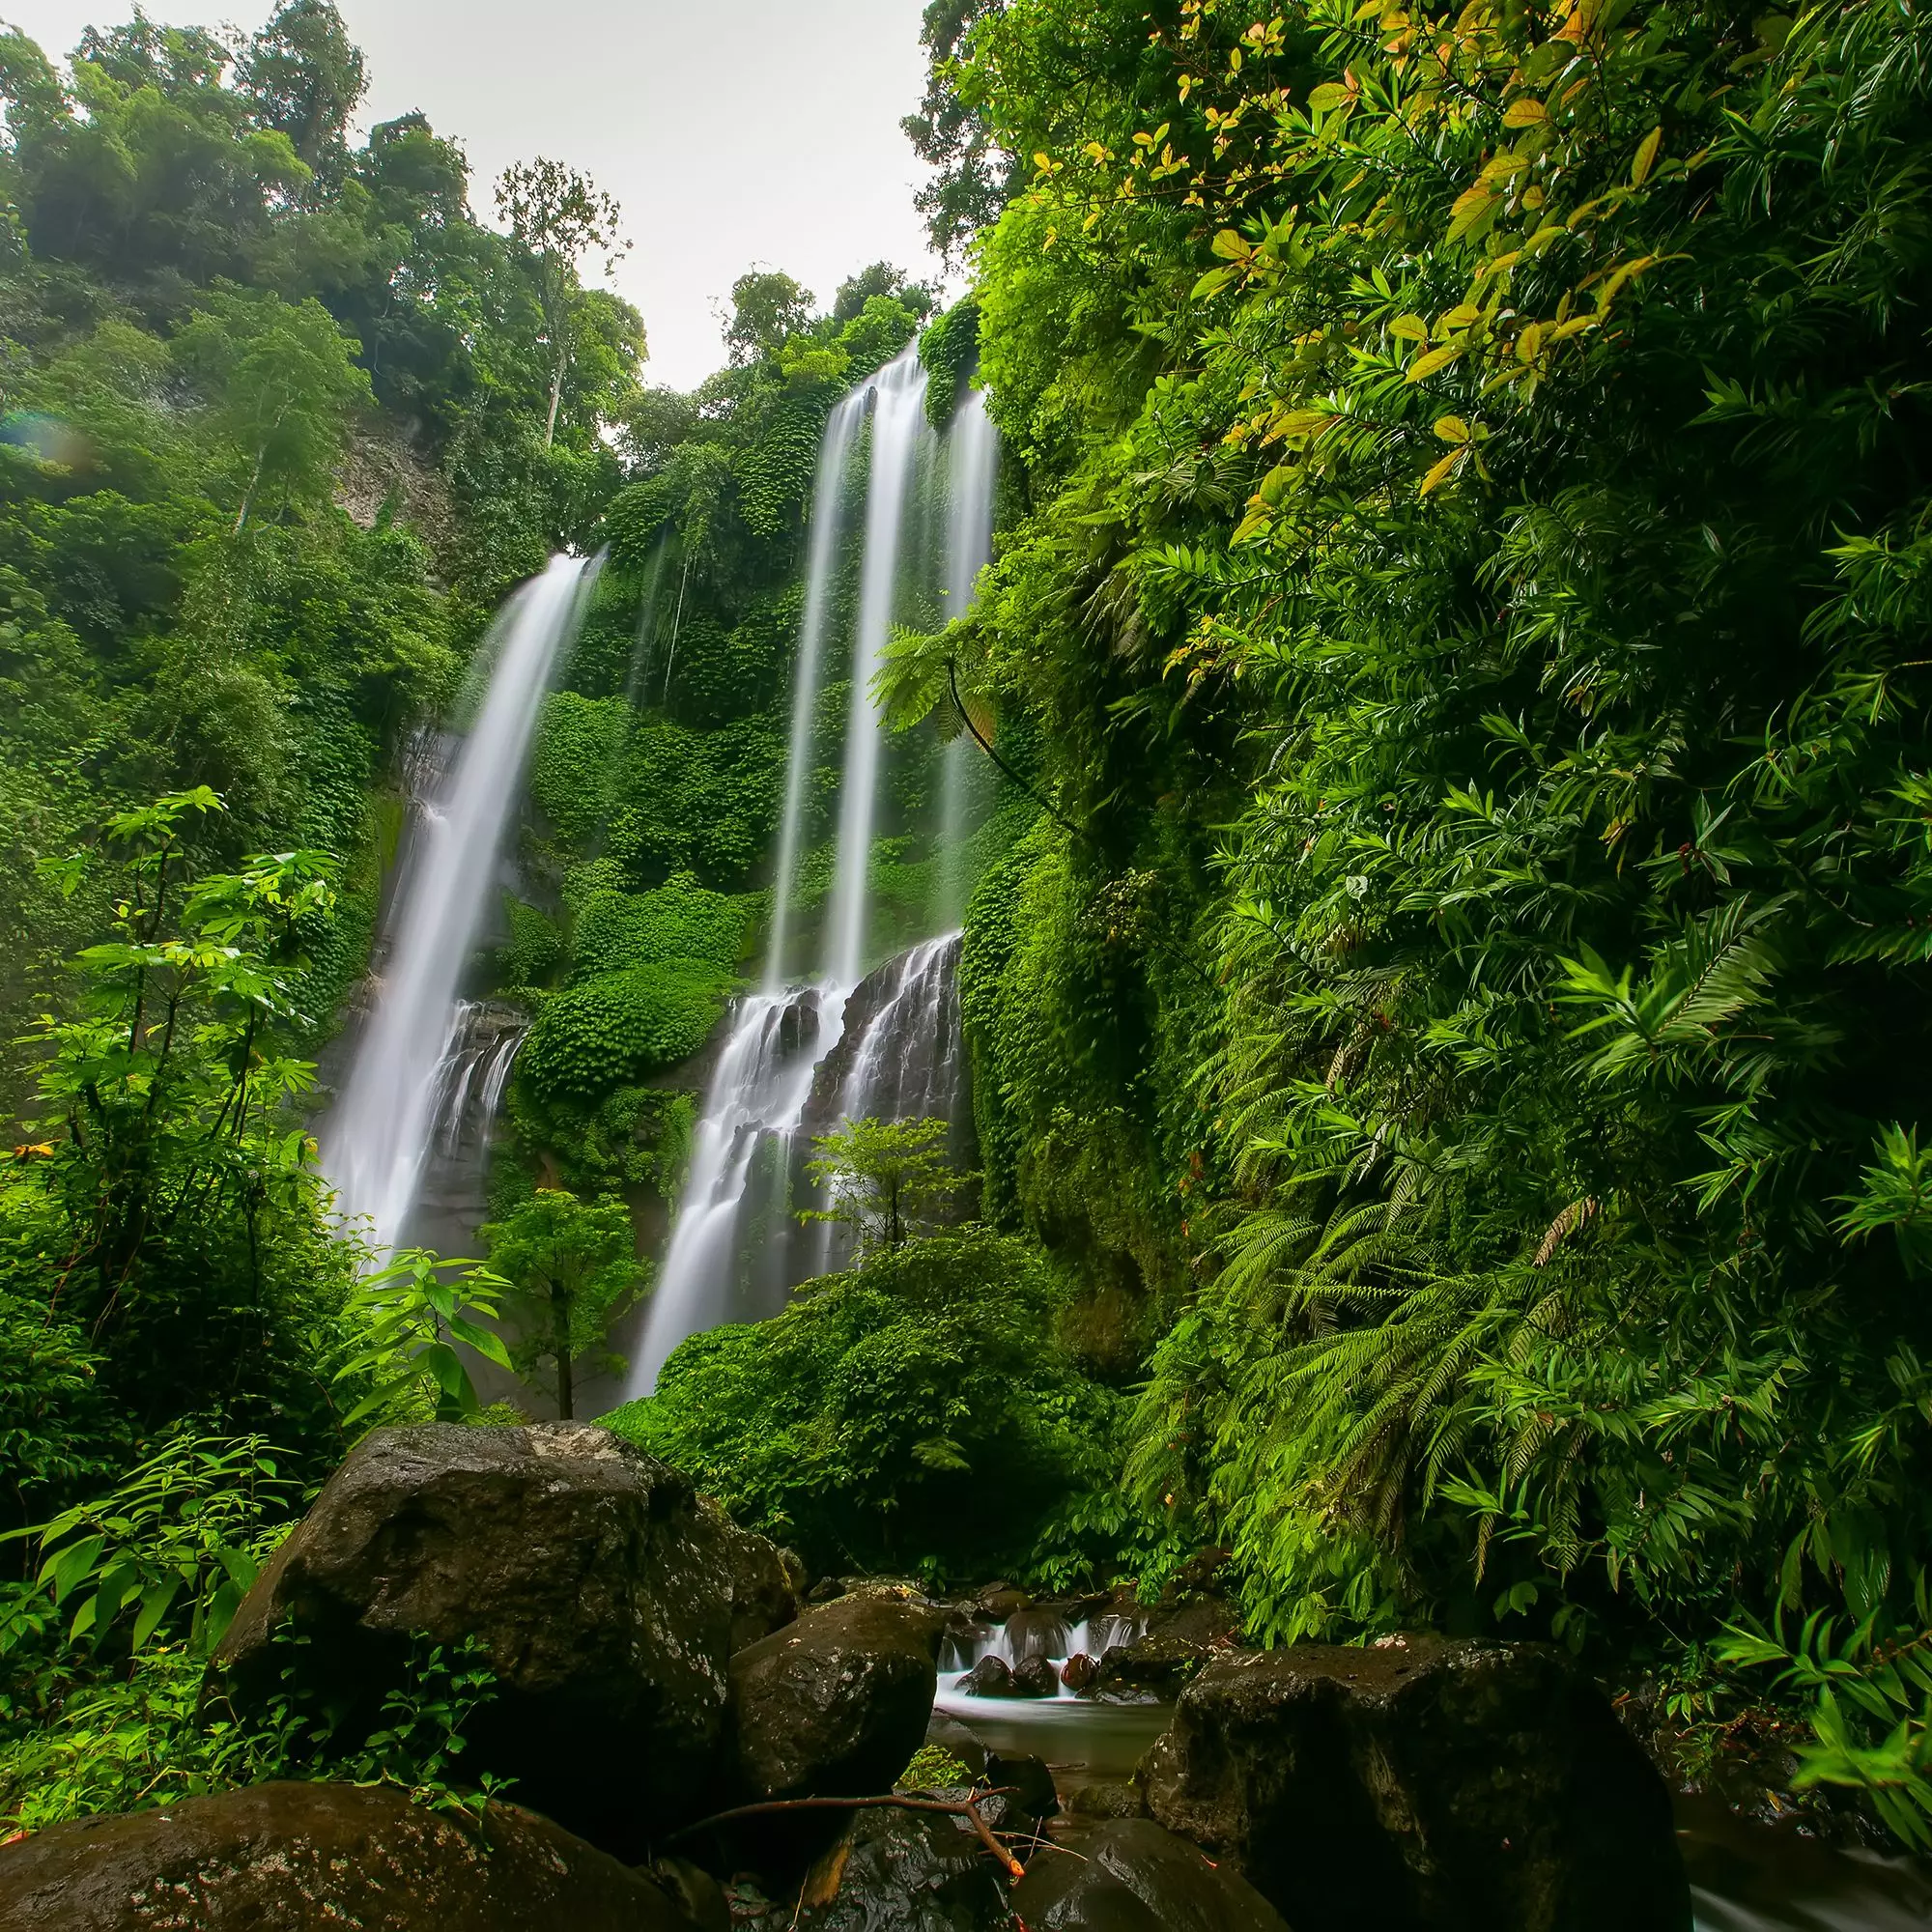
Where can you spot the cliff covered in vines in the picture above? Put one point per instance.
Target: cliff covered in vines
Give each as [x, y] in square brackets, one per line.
[1467, 625]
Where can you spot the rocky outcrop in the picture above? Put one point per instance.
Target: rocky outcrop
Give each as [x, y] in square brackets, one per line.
[762, 1579]
[1129, 1875]
[604, 1595]
[1423, 1786]
[319, 1858]
[1036, 1677]
[991, 1677]
[836, 1703]
[1176, 1647]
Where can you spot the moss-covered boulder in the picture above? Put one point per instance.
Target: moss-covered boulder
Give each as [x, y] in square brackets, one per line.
[318, 1857]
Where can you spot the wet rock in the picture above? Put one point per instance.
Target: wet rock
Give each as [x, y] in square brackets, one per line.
[1079, 1671]
[836, 1703]
[600, 1589]
[762, 1584]
[1036, 1677]
[1129, 1875]
[991, 1677]
[998, 1601]
[1424, 1785]
[1177, 1646]
[1026, 1779]
[319, 1858]
[694, 1893]
[905, 1871]
[1106, 1798]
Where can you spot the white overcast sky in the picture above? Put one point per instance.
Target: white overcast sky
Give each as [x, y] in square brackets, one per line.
[735, 132]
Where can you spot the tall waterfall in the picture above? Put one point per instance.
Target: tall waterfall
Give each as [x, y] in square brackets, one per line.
[835, 459]
[898, 422]
[377, 1135]
[969, 549]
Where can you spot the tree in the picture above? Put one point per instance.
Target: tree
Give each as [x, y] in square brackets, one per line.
[885, 1179]
[882, 279]
[281, 379]
[558, 215]
[572, 1265]
[766, 307]
[307, 77]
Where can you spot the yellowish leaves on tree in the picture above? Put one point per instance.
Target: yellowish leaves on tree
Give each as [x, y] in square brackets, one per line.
[1451, 429]
[1646, 156]
[1470, 207]
[1525, 112]
[1426, 366]
[1440, 471]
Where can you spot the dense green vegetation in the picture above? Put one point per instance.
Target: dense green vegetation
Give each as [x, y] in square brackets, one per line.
[1445, 986]
[1468, 618]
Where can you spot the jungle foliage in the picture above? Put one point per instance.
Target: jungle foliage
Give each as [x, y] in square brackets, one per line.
[1469, 624]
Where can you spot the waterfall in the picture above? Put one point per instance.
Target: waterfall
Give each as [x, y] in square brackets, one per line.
[969, 549]
[379, 1133]
[898, 423]
[835, 458]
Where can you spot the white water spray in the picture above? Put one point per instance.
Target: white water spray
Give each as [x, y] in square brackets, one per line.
[377, 1135]
[898, 422]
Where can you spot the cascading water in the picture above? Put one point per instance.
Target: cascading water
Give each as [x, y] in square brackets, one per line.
[969, 548]
[898, 424]
[835, 459]
[377, 1135]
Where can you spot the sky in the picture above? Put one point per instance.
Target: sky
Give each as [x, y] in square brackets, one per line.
[736, 133]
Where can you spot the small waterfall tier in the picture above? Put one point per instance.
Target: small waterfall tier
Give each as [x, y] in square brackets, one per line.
[901, 1055]
[378, 1135]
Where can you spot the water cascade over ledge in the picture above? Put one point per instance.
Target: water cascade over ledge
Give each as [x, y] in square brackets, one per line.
[798, 1062]
[378, 1136]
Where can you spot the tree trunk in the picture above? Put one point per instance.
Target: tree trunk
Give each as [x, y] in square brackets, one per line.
[566, 1395]
[555, 397]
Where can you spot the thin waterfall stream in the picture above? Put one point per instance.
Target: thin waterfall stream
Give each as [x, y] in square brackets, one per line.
[378, 1136]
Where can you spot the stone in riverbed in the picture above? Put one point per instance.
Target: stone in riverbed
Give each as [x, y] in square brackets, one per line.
[1421, 1785]
[603, 1592]
[903, 1871]
[319, 1858]
[991, 1677]
[1079, 1671]
[1129, 1875]
[834, 1704]
[1036, 1677]
[1176, 1646]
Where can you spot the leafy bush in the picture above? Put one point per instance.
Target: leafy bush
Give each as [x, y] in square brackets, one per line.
[914, 1414]
[680, 919]
[606, 1031]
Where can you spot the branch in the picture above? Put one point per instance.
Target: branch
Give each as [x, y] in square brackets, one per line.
[952, 683]
[953, 1807]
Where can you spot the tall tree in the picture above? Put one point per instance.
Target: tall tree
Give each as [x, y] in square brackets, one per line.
[559, 217]
[307, 78]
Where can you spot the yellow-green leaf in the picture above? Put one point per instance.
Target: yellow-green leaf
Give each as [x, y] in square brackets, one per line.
[1425, 366]
[1470, 207]
[1451, 429]
[1524, 112]
[1230, 247]
[1646, 156]
[1410, 329]
[1330, 94]
[1439, 470]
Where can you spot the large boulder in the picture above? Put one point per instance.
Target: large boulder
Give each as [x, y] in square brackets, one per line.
[1177, 1646]
[1129, 1875]
[834, 1704]
[762, 1579]
[1421, 1785]
[601, 1590]
[319, 1858]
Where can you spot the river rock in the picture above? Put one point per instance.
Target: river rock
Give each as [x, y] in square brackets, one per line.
[1129, 1875]
[762, 1579]
[834, 1704]
[1421, 1785]
[1036, 1677]
[319, 1858]
[903, 1871]
[601, 1590]
[1079, 1671]
[991, 1677]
